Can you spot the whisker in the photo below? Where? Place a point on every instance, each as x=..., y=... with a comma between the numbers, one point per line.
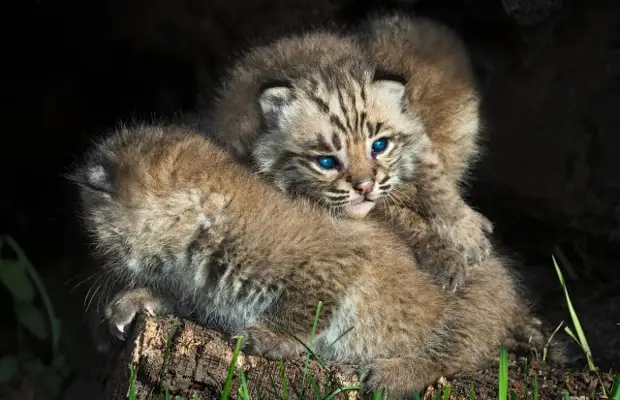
x=92, y=296
x=80, y=283
x=395, y=196
x=387, y=206
x=402, y=196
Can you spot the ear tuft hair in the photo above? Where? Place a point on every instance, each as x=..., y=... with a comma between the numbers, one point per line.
x=389, y=92
x=98, y=173
x=274, y=95
x=382, y=75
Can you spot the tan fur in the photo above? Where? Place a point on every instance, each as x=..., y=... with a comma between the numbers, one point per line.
x=172, y=215
x=441, y=86
x=329, y=71
x=235, y=120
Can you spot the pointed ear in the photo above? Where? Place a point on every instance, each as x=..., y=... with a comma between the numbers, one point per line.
x=100, y=170
x=389, y=91
x=274, y=97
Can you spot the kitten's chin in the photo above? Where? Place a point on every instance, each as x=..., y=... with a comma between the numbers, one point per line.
x=359, y=210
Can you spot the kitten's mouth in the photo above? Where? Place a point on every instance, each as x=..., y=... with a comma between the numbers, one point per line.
x=358, y=209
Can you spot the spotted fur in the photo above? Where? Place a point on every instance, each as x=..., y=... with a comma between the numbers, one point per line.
x=182, y=228
x=302, y=98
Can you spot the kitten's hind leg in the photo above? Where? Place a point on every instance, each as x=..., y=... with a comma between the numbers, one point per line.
x=531, y=336
x=400, y=377
x=258, y=340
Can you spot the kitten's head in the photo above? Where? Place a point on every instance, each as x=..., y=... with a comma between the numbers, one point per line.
x=346, y=139
x=140, y=189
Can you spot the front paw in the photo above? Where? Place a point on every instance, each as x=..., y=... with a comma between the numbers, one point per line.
x=445, y=264
x=451, y=273
x=259, y=341
x=470, y=236
x=122, y=310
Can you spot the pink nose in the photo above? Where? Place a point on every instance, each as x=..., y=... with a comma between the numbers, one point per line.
x=364, y=186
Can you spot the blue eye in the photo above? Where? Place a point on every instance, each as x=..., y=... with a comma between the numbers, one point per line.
x=379, y=145
x=327, y=162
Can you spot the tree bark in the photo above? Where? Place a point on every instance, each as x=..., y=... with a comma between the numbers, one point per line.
x=193, y=362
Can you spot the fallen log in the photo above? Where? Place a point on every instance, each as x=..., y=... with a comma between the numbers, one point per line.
x=192, y=362
x=164, y=354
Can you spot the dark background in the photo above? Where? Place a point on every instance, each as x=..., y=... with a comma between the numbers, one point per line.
x=549, y=180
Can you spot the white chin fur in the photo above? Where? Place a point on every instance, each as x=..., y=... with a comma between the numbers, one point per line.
x=360, y=210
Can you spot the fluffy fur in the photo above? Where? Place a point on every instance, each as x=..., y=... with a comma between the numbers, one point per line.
x=440, y=83
x=181, y=227
x=286, y=106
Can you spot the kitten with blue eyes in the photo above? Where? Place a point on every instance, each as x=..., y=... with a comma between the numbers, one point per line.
x=177, y=228
x=314, y=115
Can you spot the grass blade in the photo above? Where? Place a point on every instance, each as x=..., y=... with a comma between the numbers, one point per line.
x=342, y=390
x=526, y=370
x=535, y=390
x=244, y=393
x=315, y=387
x=503, y=375
x=132, y=383
x=472, y=391
x=231, y=370
x=284, y=381
x=546, y=348
x=307, y=360
x=446, y=392
x=615, y=389
x=377, y=396
x=576, y=323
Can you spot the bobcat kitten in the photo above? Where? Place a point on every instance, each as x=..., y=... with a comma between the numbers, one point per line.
x=318, y=119
x=183, y=228
x=440, y=83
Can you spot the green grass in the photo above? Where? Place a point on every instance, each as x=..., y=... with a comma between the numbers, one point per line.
x=23, y=283
x=504, y=392
x=503, y=375
x=577, y=333
x=231, y=370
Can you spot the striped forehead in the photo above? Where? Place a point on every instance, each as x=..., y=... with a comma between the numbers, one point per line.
x=344, y=103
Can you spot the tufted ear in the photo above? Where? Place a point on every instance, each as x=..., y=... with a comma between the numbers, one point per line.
x=389, y=91
x=274, y=97
x=97, y=174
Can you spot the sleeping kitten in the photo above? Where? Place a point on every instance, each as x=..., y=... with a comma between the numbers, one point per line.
x=315, y=117
x=182, y=228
